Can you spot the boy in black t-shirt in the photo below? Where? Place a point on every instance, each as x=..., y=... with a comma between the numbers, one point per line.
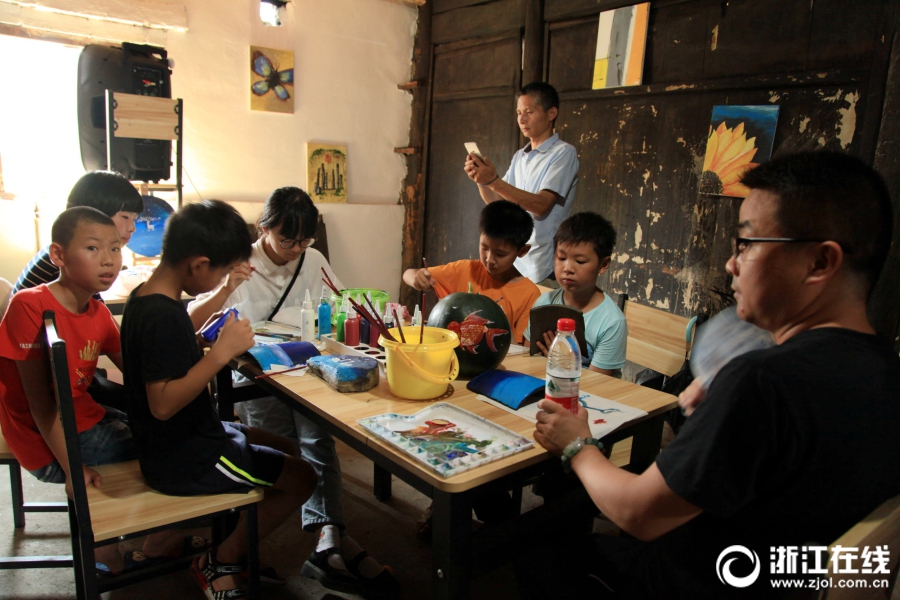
x=183, y=447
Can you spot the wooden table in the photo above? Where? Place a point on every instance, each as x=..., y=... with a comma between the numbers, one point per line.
x=456, y=558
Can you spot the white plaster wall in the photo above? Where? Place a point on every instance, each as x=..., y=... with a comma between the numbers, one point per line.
x=349, y=57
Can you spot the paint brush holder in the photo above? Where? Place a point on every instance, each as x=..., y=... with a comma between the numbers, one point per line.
x=446, y=438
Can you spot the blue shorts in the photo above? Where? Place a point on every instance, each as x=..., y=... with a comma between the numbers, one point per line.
x=109, y=441
x=241, y=467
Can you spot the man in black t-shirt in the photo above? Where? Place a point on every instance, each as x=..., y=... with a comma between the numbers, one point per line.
x=183, y=447
x=793, y=444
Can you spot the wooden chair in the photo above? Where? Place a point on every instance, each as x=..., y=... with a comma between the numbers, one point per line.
x=19, y=506
x=657, y=339
x=880, y=528
x=125, y=506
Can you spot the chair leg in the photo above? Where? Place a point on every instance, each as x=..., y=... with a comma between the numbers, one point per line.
x=18, y=498
x=86, y=586
x=253, y=551
x=76, y=553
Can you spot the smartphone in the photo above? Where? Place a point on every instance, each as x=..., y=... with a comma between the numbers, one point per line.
x=472, y=148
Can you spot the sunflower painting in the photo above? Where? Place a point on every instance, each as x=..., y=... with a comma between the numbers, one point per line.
x=740, y=138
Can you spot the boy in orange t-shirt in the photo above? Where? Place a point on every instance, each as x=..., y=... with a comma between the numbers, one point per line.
x=505, y=230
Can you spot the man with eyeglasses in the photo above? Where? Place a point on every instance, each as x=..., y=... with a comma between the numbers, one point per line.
x=793, y=445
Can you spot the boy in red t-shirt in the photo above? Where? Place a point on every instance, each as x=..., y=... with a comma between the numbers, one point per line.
x=87, y=249
x=505, y=231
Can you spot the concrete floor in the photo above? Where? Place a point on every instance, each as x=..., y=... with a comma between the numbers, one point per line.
x=385, y=529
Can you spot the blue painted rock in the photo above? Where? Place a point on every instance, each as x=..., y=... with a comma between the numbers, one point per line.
x=345, y=373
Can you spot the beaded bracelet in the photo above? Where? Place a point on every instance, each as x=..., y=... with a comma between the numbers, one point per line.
x=574, y=447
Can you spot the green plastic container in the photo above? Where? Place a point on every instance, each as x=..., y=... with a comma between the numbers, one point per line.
x=353, y=292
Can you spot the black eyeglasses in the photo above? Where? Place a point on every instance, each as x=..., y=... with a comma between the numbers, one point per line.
x=304, y=243
x=739, y=244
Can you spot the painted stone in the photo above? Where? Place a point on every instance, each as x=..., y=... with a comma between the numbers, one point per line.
x=345, y=373
x=482, y=327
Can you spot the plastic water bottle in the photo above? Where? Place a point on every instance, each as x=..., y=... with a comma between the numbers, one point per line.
x=564, y=367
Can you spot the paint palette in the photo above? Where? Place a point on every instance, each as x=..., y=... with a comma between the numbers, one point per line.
x=360, y=349
x=446, y=438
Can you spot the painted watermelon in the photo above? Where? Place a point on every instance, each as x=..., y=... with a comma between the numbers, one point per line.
x=482, y=327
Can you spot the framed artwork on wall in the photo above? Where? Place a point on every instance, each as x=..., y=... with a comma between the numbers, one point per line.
x=326, y=172
x=740, y=138
x=271, y=80
x=621, y=43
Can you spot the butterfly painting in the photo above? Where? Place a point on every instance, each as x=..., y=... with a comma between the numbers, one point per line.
x=272, y=79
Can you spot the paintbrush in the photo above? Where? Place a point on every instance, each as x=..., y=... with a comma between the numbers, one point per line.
x=422, y=318
x=265, y=375
x=399, y=326
x=379, y=324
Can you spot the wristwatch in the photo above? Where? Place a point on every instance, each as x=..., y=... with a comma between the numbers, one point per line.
x=574, y=447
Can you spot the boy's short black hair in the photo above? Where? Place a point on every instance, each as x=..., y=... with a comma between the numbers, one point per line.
x=831, y=196
x=587, y=228
x=210, y=228
x=546, y=94
x=507, y=222
x=67, y=222
x=293, y=209
x=107, y=191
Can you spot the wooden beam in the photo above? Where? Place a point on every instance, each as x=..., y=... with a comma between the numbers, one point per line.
x=407, y=150
x=412, y=194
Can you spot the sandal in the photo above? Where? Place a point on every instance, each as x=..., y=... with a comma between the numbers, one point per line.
x=381, y=587
x=213, y=570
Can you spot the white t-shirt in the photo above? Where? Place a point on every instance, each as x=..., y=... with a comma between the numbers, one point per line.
x=256, y=297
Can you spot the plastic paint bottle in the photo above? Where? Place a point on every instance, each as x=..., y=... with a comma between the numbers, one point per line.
x=364, y=327
x=307, y=320
x=341, y=318
x=351, y=328
x=373, y=331
x=417, y=316
x=389, y=319
x=324, y=313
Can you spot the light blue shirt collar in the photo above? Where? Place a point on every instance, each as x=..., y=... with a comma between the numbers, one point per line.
x=545, y=145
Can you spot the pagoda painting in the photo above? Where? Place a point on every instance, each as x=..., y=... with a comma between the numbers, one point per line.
x=326, y=172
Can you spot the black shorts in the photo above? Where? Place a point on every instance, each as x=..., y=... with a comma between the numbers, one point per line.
x=240, y=468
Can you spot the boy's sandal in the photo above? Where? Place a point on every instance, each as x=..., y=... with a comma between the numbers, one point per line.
x=213, y=570
x=382, y=586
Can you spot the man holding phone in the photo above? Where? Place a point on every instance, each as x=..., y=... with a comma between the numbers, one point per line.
x=542, y=177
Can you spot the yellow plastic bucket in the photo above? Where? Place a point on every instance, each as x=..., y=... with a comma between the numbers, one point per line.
x=421, y=371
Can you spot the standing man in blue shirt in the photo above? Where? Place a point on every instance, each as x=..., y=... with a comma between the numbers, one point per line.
x=541, y=178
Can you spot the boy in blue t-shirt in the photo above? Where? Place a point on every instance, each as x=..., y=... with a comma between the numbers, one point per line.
x=582, y=250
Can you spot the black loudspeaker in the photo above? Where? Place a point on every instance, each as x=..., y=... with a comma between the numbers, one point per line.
x=131, y=69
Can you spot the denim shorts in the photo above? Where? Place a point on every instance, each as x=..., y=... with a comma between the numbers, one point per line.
x=109, y=441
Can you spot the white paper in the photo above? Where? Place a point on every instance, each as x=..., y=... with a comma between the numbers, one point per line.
x=604, y=415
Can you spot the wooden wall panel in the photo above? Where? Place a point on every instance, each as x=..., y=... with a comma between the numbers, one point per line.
x=479, y=67
x=572, y=47
x=676, y=43
x=451, y=219
x=641, y=158
x=757, y=37
x=482, y=20
x=844, y=34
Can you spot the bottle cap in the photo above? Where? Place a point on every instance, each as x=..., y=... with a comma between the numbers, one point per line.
x=566, y=325
x=307, y=303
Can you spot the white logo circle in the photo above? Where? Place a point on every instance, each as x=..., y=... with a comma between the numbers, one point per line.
x=724, y=570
